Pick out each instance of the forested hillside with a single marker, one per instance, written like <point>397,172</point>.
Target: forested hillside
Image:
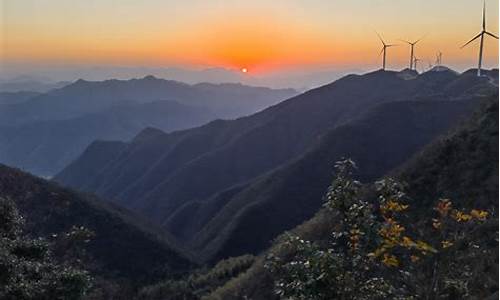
<point>123,252</point>
<point>473,145</point>
<point>247,173</point>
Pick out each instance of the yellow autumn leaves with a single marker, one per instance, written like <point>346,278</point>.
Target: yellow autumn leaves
<point>392,206</point>
<point>390,260</point>
<point>445,208</point>
<point>393,235</point>
<point>446,244</point>
<point>354,238</point>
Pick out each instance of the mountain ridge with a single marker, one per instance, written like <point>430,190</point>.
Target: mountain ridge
<point>44,133</point>
<point>187,169</point>
<point>257,282</point>
<point>92,96</point>
<point>273,199</point>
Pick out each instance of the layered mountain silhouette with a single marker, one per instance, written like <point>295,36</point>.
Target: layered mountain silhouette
<point>83,97</point>
<point>44,133</point>
<point>45,147</point>
<point>125,250</point>
<point>287,78</point>
<point>229,187</point>
<point>462,165</point>
<point>383,139</point>
<point>39,84</point>
<point>16,97</point>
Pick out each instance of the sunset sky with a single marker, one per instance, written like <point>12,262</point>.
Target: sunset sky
<point>260,35</point>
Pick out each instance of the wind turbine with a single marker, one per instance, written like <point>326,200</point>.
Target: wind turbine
<point>481,35</point>
<point>412,46</point>
<point>384,50</point>
<point>439,57</point>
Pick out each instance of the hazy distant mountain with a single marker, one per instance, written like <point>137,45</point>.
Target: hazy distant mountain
<point>171,177</point>
<point>46,132</point>
<point>234,151</point>
<point>46,147</point>
<point>124,252</point>
<point>30,83</point>
<point>82,97</point>
<point>16,97</point>
<point>286,78</point>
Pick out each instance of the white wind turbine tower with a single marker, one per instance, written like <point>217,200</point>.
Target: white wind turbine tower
<point>481,35</point>
<point>384,50</point>
<point>412,55</point>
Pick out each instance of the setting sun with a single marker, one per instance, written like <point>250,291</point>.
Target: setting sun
<point>260,36</point>
<point>244,70</point>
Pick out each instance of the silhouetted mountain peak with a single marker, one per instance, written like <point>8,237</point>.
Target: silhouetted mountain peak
<point>77,85</point>
<point>442,69</point>
<point>380,72</point>
<point>408,74</point>
<point>147,133</point>
<point>80,82</point>
<point>439,72</point>
<point>484,72</point>
<point>150,77</point>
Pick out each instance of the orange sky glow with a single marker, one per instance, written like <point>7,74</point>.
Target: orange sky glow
<point>249,34</point>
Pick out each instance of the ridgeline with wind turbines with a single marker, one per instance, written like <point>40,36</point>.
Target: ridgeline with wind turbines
<point>439,55</point>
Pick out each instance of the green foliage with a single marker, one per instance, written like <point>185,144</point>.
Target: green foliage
<point>341,270</point>
<point>27,268</point>
<point>376,251</point>
<point>200,283</point>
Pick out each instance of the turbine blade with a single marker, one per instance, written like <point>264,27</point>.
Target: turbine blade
<point>491,34</point>
<point>473,39</point>
<point>381,51</point>
<point>380,38</point>
<point>404,41</point>
<point>421,38</point>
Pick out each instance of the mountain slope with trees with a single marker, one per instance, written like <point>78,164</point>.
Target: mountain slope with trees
<point>204,170</point>
<point>123,251</point>
<point>469,149</point>
<point>380,141</point>
<point>46,147</point>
